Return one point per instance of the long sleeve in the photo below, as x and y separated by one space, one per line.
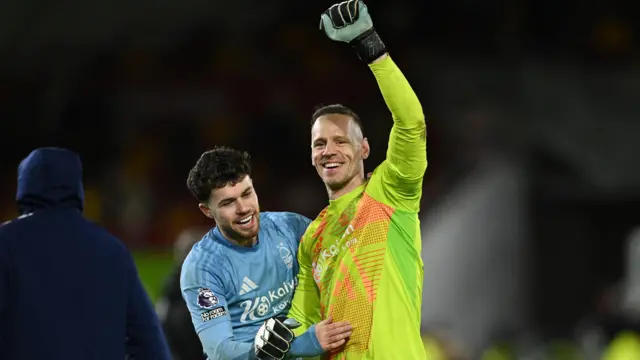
399 182
4 274
145 338
4 284
218 343
306 345
203 293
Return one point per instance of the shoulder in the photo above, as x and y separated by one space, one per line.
47 225
315 228
388 189
378 173
9 227
288 223
7 232
21 224
205 259
284 219
281 216
101 237
206 252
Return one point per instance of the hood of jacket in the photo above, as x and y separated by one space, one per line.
50 177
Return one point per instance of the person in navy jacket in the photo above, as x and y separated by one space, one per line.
69 290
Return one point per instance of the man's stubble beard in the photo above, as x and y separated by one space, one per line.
231 234
348 179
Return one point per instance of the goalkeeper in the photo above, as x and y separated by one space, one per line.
360 258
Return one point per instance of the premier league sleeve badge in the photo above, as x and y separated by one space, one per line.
206 298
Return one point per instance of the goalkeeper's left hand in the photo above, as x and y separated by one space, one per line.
350 22
274 338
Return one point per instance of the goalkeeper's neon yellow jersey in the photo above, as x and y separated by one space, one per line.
360 258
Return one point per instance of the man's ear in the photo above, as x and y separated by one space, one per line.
206 210
366 150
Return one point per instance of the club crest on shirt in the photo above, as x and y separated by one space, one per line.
286 255
206 298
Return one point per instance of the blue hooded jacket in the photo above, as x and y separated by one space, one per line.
69 290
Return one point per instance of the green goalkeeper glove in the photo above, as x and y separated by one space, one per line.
350 22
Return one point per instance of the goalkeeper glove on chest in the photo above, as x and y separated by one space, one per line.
274 338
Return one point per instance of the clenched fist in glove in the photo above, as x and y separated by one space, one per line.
350 22
274 338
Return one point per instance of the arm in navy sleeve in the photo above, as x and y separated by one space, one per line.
145 339
210 314
4 280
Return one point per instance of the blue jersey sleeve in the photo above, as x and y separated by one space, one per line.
203 293
307 344
221 346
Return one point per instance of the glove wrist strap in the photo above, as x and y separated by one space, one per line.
369 46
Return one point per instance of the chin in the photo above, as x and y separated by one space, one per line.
335 185
249 233
334 180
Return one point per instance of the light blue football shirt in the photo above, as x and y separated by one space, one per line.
234 289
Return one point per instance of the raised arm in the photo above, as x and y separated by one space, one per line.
403 170
407 152
398 180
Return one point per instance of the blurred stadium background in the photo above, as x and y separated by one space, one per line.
531 198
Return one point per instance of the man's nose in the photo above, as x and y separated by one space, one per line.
329 149
241 207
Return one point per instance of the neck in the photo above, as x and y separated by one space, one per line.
347 188
246 242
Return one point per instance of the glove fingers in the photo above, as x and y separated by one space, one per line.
327 26
263 355
362 9
273 340
352 9
339 15
283 332
276 346
346 20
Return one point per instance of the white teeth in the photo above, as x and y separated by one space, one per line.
331 165
246 220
